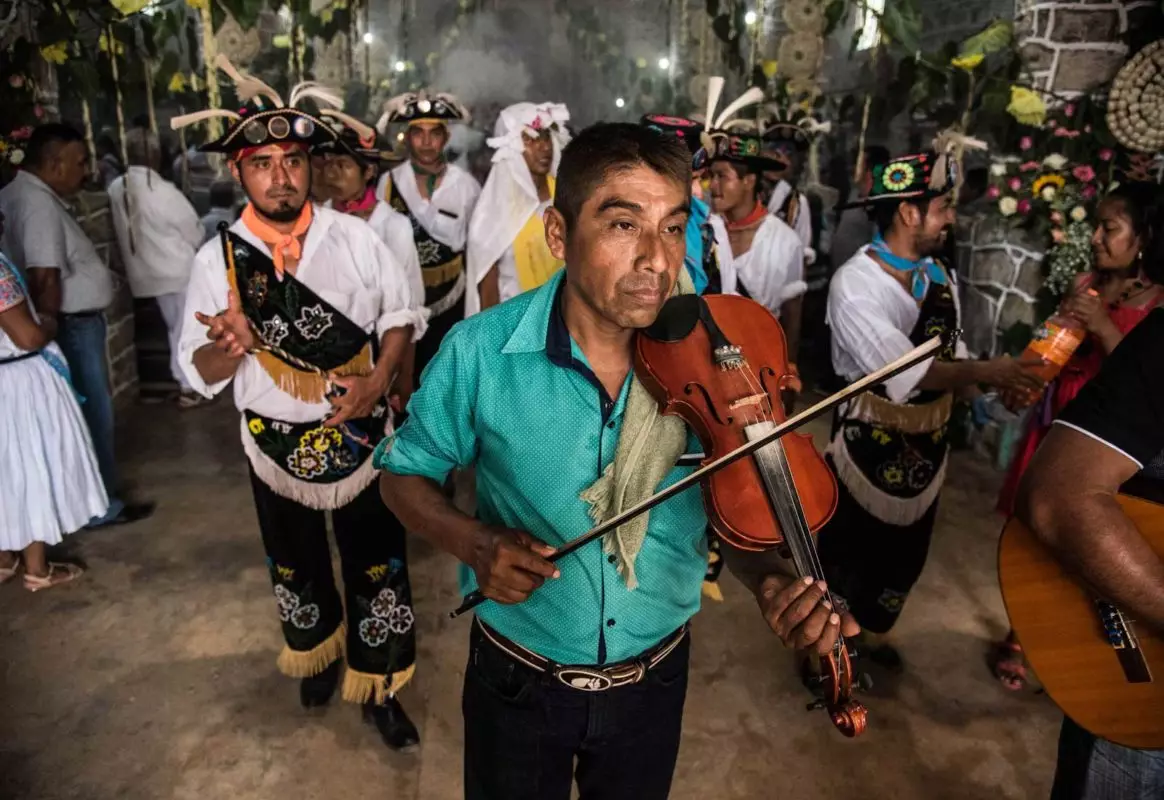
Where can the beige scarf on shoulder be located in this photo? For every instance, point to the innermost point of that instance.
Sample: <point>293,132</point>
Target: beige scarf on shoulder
<point>648,447</point>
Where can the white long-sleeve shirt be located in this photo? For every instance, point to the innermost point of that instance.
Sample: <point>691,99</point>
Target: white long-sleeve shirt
<point>446,214</point>
<point>345,263</point>
<point>871,316</point>
<point>771,271</point>
<point>803,222</point>
<point>395,231</point>
<point>166,232</point>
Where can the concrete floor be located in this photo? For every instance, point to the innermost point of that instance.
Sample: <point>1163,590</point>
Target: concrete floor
<point>154,676</point>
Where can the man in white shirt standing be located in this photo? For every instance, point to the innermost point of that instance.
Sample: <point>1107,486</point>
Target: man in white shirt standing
<point>308,313</point>
<point>439,198</point>
<point>158,231</point>
<point>507,252</point>
<point>784,145</point>
<point>69,280</point>
<point>889,445</point>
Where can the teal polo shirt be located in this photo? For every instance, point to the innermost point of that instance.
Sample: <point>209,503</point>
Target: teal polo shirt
<point>511,393</point>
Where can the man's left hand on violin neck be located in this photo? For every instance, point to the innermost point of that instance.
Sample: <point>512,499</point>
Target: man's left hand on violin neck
<point>799,612</point>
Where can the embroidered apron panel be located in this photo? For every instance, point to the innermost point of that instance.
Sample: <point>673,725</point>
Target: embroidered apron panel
<point>310,452</point>
<point>289,315</point>
<point>440,265</point>
<point>903,464</point>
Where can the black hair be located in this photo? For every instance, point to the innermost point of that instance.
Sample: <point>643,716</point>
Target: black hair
<point>608,147</point>
<point>1143,202</point>
<point>222,194</point>
<point>884,212</point>
<point>47,139</point>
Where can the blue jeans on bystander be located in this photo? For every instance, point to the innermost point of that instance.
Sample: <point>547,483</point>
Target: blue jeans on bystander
<point>1091,768</point>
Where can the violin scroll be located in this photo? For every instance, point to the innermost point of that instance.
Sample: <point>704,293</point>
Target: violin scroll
<point>834,683</point>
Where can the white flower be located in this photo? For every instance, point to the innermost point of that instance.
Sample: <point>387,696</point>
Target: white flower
<point>1048,193</point>
<point>305,617</point>
<point>1055,161</point>
<point>275,330</point>
<point>1007,206</point>
<point>1079,213</point>
<point>313,321</point>
<point>401,619</point>
<point>998,169</point>
<point>384,603</point>
<point>374,631</point>
<point>16,156</point>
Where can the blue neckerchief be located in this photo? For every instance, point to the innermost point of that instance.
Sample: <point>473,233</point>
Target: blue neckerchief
<point>924,272</point>
<point>54,359</point>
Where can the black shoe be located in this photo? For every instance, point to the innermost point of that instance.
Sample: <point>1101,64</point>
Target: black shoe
<point>317,690</point>
<point>396,729</point>
<point>130,514</point>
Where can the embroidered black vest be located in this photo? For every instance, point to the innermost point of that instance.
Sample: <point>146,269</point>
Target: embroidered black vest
<point>440,265</point>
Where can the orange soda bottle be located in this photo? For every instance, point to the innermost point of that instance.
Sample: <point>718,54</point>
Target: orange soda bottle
<point>1054,341</point>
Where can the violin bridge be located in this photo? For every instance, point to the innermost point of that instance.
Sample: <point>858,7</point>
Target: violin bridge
<point>750,400</point>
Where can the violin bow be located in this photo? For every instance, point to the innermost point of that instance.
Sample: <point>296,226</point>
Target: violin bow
<point>914,357</point>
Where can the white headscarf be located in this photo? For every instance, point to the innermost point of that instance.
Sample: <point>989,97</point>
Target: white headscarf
<point>509,196</point>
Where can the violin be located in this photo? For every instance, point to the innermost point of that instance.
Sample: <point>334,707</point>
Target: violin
<point>701,365</point>
<point>719,362</point>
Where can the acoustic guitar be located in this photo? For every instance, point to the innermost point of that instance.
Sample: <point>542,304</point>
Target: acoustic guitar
<point>1099,667</point>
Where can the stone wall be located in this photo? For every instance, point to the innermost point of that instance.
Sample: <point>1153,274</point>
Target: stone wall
<point>92,212</point>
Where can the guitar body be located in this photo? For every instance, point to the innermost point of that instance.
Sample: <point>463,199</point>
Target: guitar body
<point>1100,668</point>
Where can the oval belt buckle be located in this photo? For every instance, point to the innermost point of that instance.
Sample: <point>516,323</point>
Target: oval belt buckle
<point>584,679</point>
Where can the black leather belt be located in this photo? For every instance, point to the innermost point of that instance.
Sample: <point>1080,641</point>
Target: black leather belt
<point>585,678</point>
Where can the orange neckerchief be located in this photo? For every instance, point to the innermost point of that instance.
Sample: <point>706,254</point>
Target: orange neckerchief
<point>280,244</point>
<point>757,214</point>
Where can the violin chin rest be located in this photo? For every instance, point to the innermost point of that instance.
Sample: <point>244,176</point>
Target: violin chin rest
<point>676,320</point>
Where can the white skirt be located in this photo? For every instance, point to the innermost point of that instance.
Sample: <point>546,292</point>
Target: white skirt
<point>50,484</point>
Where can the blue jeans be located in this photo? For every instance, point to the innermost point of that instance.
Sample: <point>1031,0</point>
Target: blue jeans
<point>82,340</point>
<point>1091,768</point>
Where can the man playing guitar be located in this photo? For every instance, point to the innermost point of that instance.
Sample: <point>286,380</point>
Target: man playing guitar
<point>1109,440</point>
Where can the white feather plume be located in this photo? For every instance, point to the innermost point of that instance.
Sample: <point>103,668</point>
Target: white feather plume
<point>363,130</point>
<point>323,95</point>
<point>198,116</point>
<point>750,97</point>
<point>247,86</point>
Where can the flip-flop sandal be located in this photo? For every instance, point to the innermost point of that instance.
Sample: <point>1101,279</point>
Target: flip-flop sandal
<point>58,574</point>
<point>1007,664</point>
<point>8,573</point>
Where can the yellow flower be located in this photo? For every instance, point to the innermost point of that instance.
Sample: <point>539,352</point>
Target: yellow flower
<point>770,68</point>
<point>1057,181</point>
<point>286,573</point>
<point>256,426</point>
<point>56,53</point>
<point>128,7</point>
<point>321,439</point>
<point>178,83</point>
<point>377,572</point>
<point>969,62</point>
<point>1026,106</point>
<point>103,43</point>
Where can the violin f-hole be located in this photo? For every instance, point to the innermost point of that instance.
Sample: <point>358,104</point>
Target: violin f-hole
<point>689,389</point>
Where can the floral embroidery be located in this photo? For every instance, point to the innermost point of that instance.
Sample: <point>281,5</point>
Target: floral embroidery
<point>852,433</point>
<point>343,460</point>
<point>384,603</point>
<point>892,601</point>
<point>305,617</point>
<point>321,439</point>
<point>256,425</point>
<point>374,631</point>
<point>288,602</point>
<point>306,463</point>
<point>286,573</point>
<point>275,330</point>
<point>920,474</point>
<point>401,619</point>
<point>377,572</point>
<point>893,474</point>
<point>898,176</point>
<point>429,252</point>
<point>313,321</point>
<point>880,436</point>
<point>257,288</point>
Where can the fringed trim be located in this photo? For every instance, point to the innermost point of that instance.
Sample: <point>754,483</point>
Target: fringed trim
<point>921,418</point>
<point>321,496</point>
<point>894,510</point>
<point>712,592</point>
<point>311,387</point>
<point>305,663</point>
<point>360,687</point>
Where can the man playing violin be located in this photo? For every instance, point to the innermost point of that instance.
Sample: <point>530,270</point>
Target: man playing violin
<point>583,660</point>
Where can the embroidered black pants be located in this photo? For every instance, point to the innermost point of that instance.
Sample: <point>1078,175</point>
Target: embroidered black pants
<point>381,635</point>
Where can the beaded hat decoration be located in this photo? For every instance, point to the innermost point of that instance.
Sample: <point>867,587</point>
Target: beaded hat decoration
<point>265,119</point>
<point>921,175</point>
<point>685,130</point>
<point>414,107</point>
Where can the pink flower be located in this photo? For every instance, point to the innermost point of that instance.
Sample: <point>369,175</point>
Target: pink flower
<point>1057,235</point>
<point>1024,206</point>
<point>1015,184</point>
<point>993,192</point>
<point>1056,217</point>
<point>1089,191</point>
<point>22,133</point>
<point>38,112</point>
<point>1069,109</point>
<point>1084,173</point>
<point>16,81</point>
<point>1106,154</point>
<point>1030,165</point>
<point>1026,143</point>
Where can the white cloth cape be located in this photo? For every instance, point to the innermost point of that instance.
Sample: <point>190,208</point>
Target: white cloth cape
<point>509,196</point>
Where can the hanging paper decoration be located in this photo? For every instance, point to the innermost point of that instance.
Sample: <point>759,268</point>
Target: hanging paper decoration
<point>800,55</point>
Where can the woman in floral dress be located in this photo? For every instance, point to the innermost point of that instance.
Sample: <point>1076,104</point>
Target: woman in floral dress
<point>49,481</point>
<point>1126,278</point>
